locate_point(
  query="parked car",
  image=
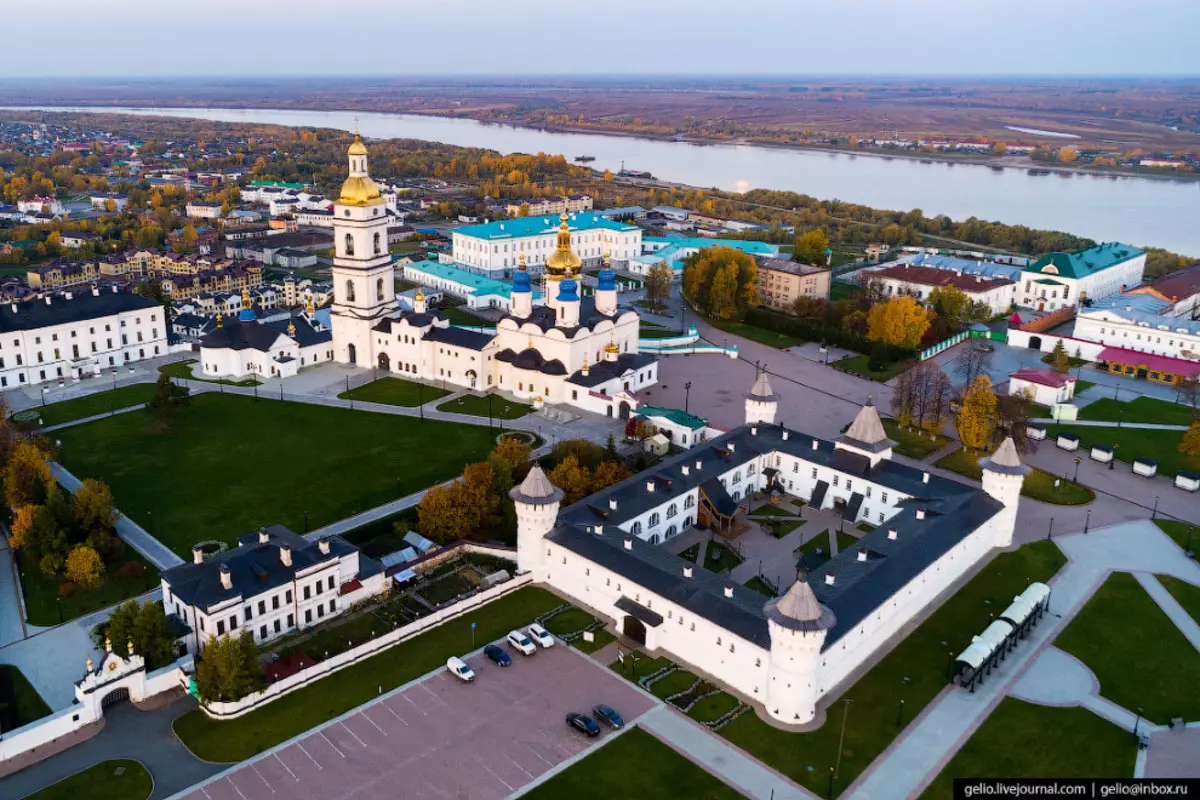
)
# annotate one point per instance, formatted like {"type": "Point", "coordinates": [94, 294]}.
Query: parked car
{"type": "Point", "coordinates": [583, 723]}
{"type": "Point", "coordinates": [521, 643]}
{"type": "Point", "coordinates": [609, 716]}
{"type": "Point", "coordinates": [541, 635]}
{"type": "Point", "coordinates": [459, 669]}
{"type": "Point", "coordinates": [497, 653]}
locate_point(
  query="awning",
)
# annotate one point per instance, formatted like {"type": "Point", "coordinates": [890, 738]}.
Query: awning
{"type": "Point", "coordinates": [1018, 612]}
{"type": "Point", "coordinates": [1036, 593]}
{"type": "Point", "coordinates": [975, 655]}
{"type": "Point", "coordinates": [996, 634]}
{"type": "Point", "coordinates": [639, 612]}
{"type": "Point", "coordinates": [718, 498]}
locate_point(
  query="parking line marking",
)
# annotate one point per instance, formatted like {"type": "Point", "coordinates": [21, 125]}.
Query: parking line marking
{"type": "Point", "coordinates": [206, 794]}
{"type": "Point", "coordinates": [494, 775]}
{"type": "Point", "coordinates": [331, 744]}
{"type": "Point", "coordinates": [310, 758]}
{"type": "Point", "coordinates": [368, 719]}
{"type": "Point", "coordinates": [518, 766]}
{"type": "Point", "coordinates": [414, 705]}
{"type": "Point", "coordinates": [261, 778]}
{"type": "Point", "coordinates": [285, 766]}
{"type": "Point", "coordinates": [235, 788]}
{"type": "Point", "coordinates": [352, 733]}
{"type": "Point", "coordinates": [397, 716]}
{"type": "Point", "coordinates": [434, 696]}
{"type": "Point", "coordinates": [539, 755]}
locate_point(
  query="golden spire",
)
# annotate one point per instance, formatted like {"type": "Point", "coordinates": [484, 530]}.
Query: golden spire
{"type": "Point", "coordinates": [563, 261]}
{"type": "Point", "coordinates": [292, 329]}
{"type": "Point", "coordinates": [246, 304]}
{"type": "Point", "coordinates": [218, 319]}
{"type": "Point", "coordinates": [611, 347]}
{"type": "Point", "coordinates": [585, 366]}
{"type": "Point", "coordinates": [107, 644]}
{"type": "Point", "coordinates": [529, 344]}
{"type": "Point", "coordinates": [521, 263]}
{"type": "Point", "coordinates": [420, 297]}
{"type": "Point", "coordinates": [308, 307]}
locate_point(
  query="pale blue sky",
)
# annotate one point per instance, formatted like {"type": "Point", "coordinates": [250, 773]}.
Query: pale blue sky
{"type": "Point", "coordinates": [507, 37]}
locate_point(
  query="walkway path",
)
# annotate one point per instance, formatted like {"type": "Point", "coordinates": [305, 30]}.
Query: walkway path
{"type": "Point", "coordinates": [368, 516]}
{"type": "Point", "coordinates": [12, 618]}
{"type": "Point", "coordinates": [1167, 602]}
{"type": "Point", "coordinates": [1091, 423]}
{"type": "Point", "coordinates": [739, 770]}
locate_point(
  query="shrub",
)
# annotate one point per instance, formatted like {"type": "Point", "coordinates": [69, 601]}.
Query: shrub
{"type": "Point", "coordinates": [67, 588]}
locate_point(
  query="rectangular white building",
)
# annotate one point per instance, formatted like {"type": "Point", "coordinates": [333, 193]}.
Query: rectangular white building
{"type": "Point", "coordinates": [1058, 280]}
{"type": "Point", "coordinates": [919, 282]}
{"type": "Point", "coordinates": [494, 248]}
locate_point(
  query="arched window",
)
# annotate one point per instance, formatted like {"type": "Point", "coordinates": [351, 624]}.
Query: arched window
{"type": "Point", "coordinates": [689, 501]}
{"type": "Point", "coordinates": [737, 477]}
{"type": "Point", "coordinates": [672, 510]}
{"type": "Point", "coordinates": [637, 529]}
{"type": "Point", "coordinates": [737, 494]}
{"type": "Point", "coordinates": [654, 539]}
{"type": "Point", "coordinates": [349, 291]}
{"type": "Point", "coordinates": [687, 522]}
{"type": "Point", "coordinates": [671, 531]}
{"type": "Point", "coordinates": [654, 519]}
{"type": "Point", "coordinates": [750, 470]}
{"type": "Point", "coordinates": [378, 248]}
{"type": "Point", "coordinates": [349, 245]}
{"type": "Point", "coordinates": [379, 287]}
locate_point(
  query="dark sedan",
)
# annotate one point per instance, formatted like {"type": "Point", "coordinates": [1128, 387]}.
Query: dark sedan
{"type": "Point", "coordinates": [584, 724]}
{"type": "Point", "coordinates": [609, 716]}
{"type": "Point", "coordinates": [498, 654]}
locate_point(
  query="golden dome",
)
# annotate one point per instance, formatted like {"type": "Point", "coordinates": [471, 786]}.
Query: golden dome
{"type": "Point", "coordinates": [357, 148]}
{"type": "Point", "coordinates": [359, 191]}
{"type": "Point", "coordinates": [563, 261]}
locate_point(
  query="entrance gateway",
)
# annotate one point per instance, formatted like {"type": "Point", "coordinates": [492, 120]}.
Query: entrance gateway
{"type": "Point", "coordinates": [633, 629]}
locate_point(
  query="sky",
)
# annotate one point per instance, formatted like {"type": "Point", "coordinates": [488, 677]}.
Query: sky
{"type": "Point", "coordinates": [592, 37]}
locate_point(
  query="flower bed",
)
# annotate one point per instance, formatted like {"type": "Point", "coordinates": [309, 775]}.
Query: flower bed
{"type": "Point", "coordinates": [713, 706]}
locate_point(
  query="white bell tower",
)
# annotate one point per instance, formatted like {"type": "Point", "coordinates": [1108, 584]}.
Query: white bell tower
{"type": "Point", "coordinates": [364, 288]}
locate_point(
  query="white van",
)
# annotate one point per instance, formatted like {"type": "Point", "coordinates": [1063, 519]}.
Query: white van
{"type": "Point", "coordinates": [541, 635]}
{"type": "Point", "coordinates": [459, 669]}
{"type": "Point", "coordinates": [521, 643]}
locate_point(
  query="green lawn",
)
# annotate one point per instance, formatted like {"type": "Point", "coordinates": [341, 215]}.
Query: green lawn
{"type": "Point", "coordinates": [672, 683]}
{"type": "Point", "coordinates": [1082, 386]}
{"type": "Point", "coordinates": [782, 527]}
{"type": "Point", "coordinates": [240, 738]}
{"type": "Point", "coordinates": [922, 657]}
{"type": "Point", "coordinates": [42, 601]}
{"type": "Point", "coordinates": [755, 334]}
{"type": "Point", "coordinates": [1135, 651]}
{"type": "Point", "coordinates": [1186, 594]}
{"type": "Point", "coordinates": [569, 621]}
{"type": "Point", "coordinates": [846, 541]}
{"type": "Point", "coordinates": [658, 333]}
{"type": "Point", "coordinates": [101, 782]}
{"type": "Point", "coordinates": [818, 541]}
{"type": "Point", "coordinates": [644, 666]}
{"type": "Point", "coordinates": [861, 366]}
{"type": "Point", "coordinates": [726, 557]}
{"type": "Point", "coordinates": [713, 707]}
{"type": "Point", "coordinates": [634, 764]}
{"type": "Point", "coordinates": [477, 406]}
{"type": "Point", "coordinates": [1140, 409]}
{"type": "Point", "coordinates": [1038, 485]}
{"type": "Point", "coordinates": [263, 461]}
{"type": "Point", "coordinates": [759, 585]}
{"type": "Point", "coordinates": [25, 706]}
{"type": "Point", "coordinates": [1181, 532]}
{"type": "Point", "coordinates": [601, 637]}
{"type": "Point", "coordinates": [912, 442]}
{"type": "Point", "coordinates": [395, 392]}
{"type": "Point", "coordinates": [1023, 740]}
{"type": "Point", "coordinates": [183, 369]}
{"type": "Point", "coordinates": [98, 403]}
{"type": "Point", "coordinates": [1162, 446]}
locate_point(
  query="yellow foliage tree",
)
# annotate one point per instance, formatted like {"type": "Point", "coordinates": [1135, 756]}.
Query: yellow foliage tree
{"type": "Point", "coordinates": [1067, 154]}
{"type": "Point", "coordinates": [27, 476]}
{"type": "Point", "coordinates": [84, 566]}
{"type": "Point", "coordinates": [977, 419]}
{"type": "Point", "coordinates": [22, 523]}
{"type": "Point", "coordinates": [1189, 445]}
{"type": "Point", "coordinates": [900, 322]}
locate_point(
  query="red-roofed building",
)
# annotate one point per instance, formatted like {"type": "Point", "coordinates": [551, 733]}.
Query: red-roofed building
{"type": "Point", "coordinates": [918, 282]}
{"type": "Point", "coordinates": [1160, 369]}
{"type": "Point", "coordinates": [1045, 386]}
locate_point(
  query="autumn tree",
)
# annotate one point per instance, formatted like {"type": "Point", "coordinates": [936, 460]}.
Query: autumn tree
{"type": "Point", "coordinates": [94, 506]}
{"type": "Point", "coordinates": [971, 362]}
{"type": "Point", "coordinates": [607, 474]}
{"type": "Point", "coordinates": [658, 284]}
{"type": "Point", "coordinates": [977, 419]}
{"type": "Point", "coordinates": [1190, 443]}
{"type": "Point", "coordinates": [84, 567]}
{"type": "Point", "coordinates": [168, 399]}
{"type": "Point", "coordinates": [899, 322]}
{"type": "Point", "coordinates": [1067, 154]}
{"type": "Point", "coordinates": [146, 626]}
{"type": "Point", "coordinates": [951, 304]}
{"type": "Point", "coordinates": [22, 524]}
{"type": "Point", "coordinates": [1059, 358]}
{"type": "Point", "coordinates": [463, 509]}
{"type": "Point", "coordinates": [721, 281]}
{"type": "Point", "coordinates": [810, 247]}
{"type": "Point", "coordinates": [27, 476]}
{"type": "Point", "coordinates": [229, 669]}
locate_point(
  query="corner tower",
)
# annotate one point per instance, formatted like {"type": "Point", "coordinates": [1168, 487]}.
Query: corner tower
{"type": "Point", "coordinates": [364, 289]}
{"type": "Point", "coordinates": [1003, 475]}
{"type": "Point", "coordinates": [537, 501]}
{"type": "Point", "coordinates": [761, 402]}
{"type": "Point", "coordinates": [798, 625]}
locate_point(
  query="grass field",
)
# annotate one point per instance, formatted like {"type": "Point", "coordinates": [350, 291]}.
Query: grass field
{"type": "Point", "coordinates": [911, 442]}
{"type": "Point", "coordinates": [101, 782]}
{"type": "Point", "coordinates": [240, 738]}
{"type": "Point", "coordinates": [658, 333]}
{"type": "Point", "coordinates": [394, 392]}
{"type": "Point", "coordinates": [25, 706]}
{"type": "Point", "coordinates": [478, 407]}
{"type": "Point", "coordinates": [1183, 533]}
{"type": "Point", "coordinates": [759, 585]}
{"type": "Point", "coordinates": [1140, 409]}
{"type": "Point", "coordinates": [1162, 446]}
{"type": "Point", "coordinates": [634, 764]}
{"type": "Point", "coordinates": [861, 366]}
{"type": "Point", "coordinates": [459, 316]}
{"type": "Point", "coordinates": [922, 658]}
{"type": "Point", "coordinates": [634, 670]}
{"type": "Point", "coordinates": [263, 461]}
{"type": "Point", "coordinates": [1038, 485]}
{"type": "Point", "coordinates": [755, 334]}
{"type": "Point", "coordinates": [1135, 651]}
{"type": "Point", "coordinates": [1184, 593]}
{"type": "Point", "coordinates": [183, 369]}
{"type": "Point", "coordinates": [1023, 740]}
{"type": "Point", "coordinates": [98, 403]}
{"type": "Point", "coordinates": [726, 557]}
{"type": "Point", "coordinates": [43, 604]}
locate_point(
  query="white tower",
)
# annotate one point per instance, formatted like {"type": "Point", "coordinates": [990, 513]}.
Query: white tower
{"type": "Point", "coordinates": [866, 435]}
{"type": "Point", "coordinates": [761, 402]}
{"type": "Point", "coordinates": [798, 624]}
{"type": "Point", "coordinates": [1003, 474]}
{"type": "Point", "coordinates": [364, 288]}
{"type": "Point", "coordinates": [537, 501]}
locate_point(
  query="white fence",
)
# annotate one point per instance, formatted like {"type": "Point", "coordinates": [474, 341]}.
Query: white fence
{"type": "Point", "coordinates": [276, 690]}
{"type": "Point", "coordinates": [1045, 342]}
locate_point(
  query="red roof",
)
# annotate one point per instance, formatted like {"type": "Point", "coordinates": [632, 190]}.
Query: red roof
{"type": "Point", "coordinates": [1132, 358]}
{"type": "Point", "coordinates": [1045, 377]}
{"type": "Point", "coordinates": [350, 586]}
{"type": "Point", "coordinates": [929, 276]}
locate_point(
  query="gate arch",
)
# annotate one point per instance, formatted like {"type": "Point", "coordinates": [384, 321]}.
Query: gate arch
{"type": "Point", "coordinates": [117, 695]}
{"type": "Point", "coordinates": [1035, 343]}
{"type": "Point", "coordinates": [633, 629]}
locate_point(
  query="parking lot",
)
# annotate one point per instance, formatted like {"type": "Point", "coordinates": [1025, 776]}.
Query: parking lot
{"type": "Point", "coordinates": [439, 737]}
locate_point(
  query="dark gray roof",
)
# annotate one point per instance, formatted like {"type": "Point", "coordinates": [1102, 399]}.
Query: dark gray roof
{"type": "Point", "coordinates": [83, 305]}
{"type": "Point", "coordinates": [459, 337]}
{"type": "Point", "coordinates": [605, 371]}
{"type": "Point", "coordinates": [546, 317]}
{"type": "Point", "coordinates": [257, 335]}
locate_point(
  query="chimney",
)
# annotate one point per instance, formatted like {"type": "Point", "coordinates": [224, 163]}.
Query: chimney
{"type": "Point", "coordinates": [732, 446]}
{"type": "Point", "coordinates": [698, 465]}
{"type": "Point", "coordinates": [47, 299]}
{"type": "Point", "coordinates": [728, 590]}
{"type": "Point", "coordinates": [754, 430]}
{"type": "Point", "coordinates": [95, 291]}
{"type": "Point", "coordinates": [226, 578]}
{"type": "Point", "coordinates": [816, 444]}
{"type": "Point", "coordinates": [862, 554]}
{"type": "Point", "coordinates": [650, 485]}
{"type": "Point", "coordinates": [920, 513]}
{"type": "Point", "coordinates": [598, 529]}
{"type": "Point", "coordinates": [323, 546]}
{"type": "Point", "coordinates": [612, 504]}
{"type": "Point", "coordinates": [67, 295]}
{"type": "Point", "coordinates": [197, 555]}
{"type": "Point", "coordinates": [628, 544]}
{"type": "Point", "coordinates": [685, 469]}
{"type": "Point", "coordinates": [687, 571]}
{"type": "Point", "coordinates": [263, 536]}
{"type": "Point", "coordinates": [830, 578]}
{"type": "Point", "coordinates": [114, 289]}
{"type": "Point", "coordinates": [785, 434]}
{"type": "Point", "coordinates": [925, 477]}
{"type": "Point", "coordinates": [892, 533]}
{"type": "Point", "coordinates": [285, 555]}
{"type": "Point", "coordinates": [14, 308]}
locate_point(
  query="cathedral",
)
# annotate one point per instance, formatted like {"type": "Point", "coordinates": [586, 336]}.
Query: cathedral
{"type": "Point", "coordinates": [574, 350]}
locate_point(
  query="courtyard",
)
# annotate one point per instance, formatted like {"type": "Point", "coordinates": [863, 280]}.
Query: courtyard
{"type": "Point", "coordinates": [229, 464]}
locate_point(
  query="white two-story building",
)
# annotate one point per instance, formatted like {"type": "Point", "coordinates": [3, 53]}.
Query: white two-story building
{"type": "Point", "coordinates": [494, 248]}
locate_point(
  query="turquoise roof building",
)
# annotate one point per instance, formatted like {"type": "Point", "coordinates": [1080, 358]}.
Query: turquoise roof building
{"type": "Point", "coordinates": [522, 227]}
{"type": "Point", "coordinates": [673, 251]}
{"type": "Point", "coordinates": [1083, 263]}
{"type": "Point", "coordinates": [473, 285]}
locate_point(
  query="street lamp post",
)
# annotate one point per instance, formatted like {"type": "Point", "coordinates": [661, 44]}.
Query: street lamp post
{"type": "Point", "coordinates": [846, 703]}
{"type": "Point", "coordinates": [687, 394]}
{"type": "Point", "coordinates": [1137, 722]}
{"type": "Point", "coordinates": [829, 793]}
{"type": "Point", "coordinates": [1112, 462]}
{"type": "Point", "coordinates": [1187, 548]}
{"type": "Point", "coordinates": [1087, 523]}
{"type": "Point", "coordinates": [1050, 532]}
{"type": "Point", "coordinates": [421, 400]}
{"type": "Point", "coordinates": [306, 521]}
{"type": "Point", "coordinates": [490, 396]}
{"type": "Point", "coordinates": [1154, 513]}
{"type": "Point", "coordinates": [900, 714]}
{"type": "Point", "coordinates": [1075, 478]}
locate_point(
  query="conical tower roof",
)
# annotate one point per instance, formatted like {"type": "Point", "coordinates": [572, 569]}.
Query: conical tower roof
{"type": "Point", "coordinates": [536, 489]}
{"type": "Point", "coordinates": [761, 390]}
{"type": "Point", "coordinates": [799, 610]}
{"type": "Point", "coordinates": [866, 431]}
{"type": "Point", "coordinates": [1005, 460]}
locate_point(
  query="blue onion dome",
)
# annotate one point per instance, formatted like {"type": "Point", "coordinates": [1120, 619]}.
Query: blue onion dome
{"type": "Point", "coordinates": [247, 315]}
{"type": "Point", "coordinates": [606, 281]}
{"type": "Point", "coordinates": [568, 290]}
{"type": "Point", "coordinates": [522, 282]}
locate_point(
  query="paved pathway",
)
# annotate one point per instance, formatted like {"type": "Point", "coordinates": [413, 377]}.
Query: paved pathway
{"type": "Point", "coordinates": [368, 516]}
{"type": "Point", "coordinates": [747, 775]}
{"type": "Point", "coordinates": [12, 618]}
{"type": "Point", "coordinates": [1091, 423]}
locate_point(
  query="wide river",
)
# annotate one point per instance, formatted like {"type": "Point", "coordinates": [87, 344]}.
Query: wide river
{"type": "Point", "coordinates": [1139, 211]}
